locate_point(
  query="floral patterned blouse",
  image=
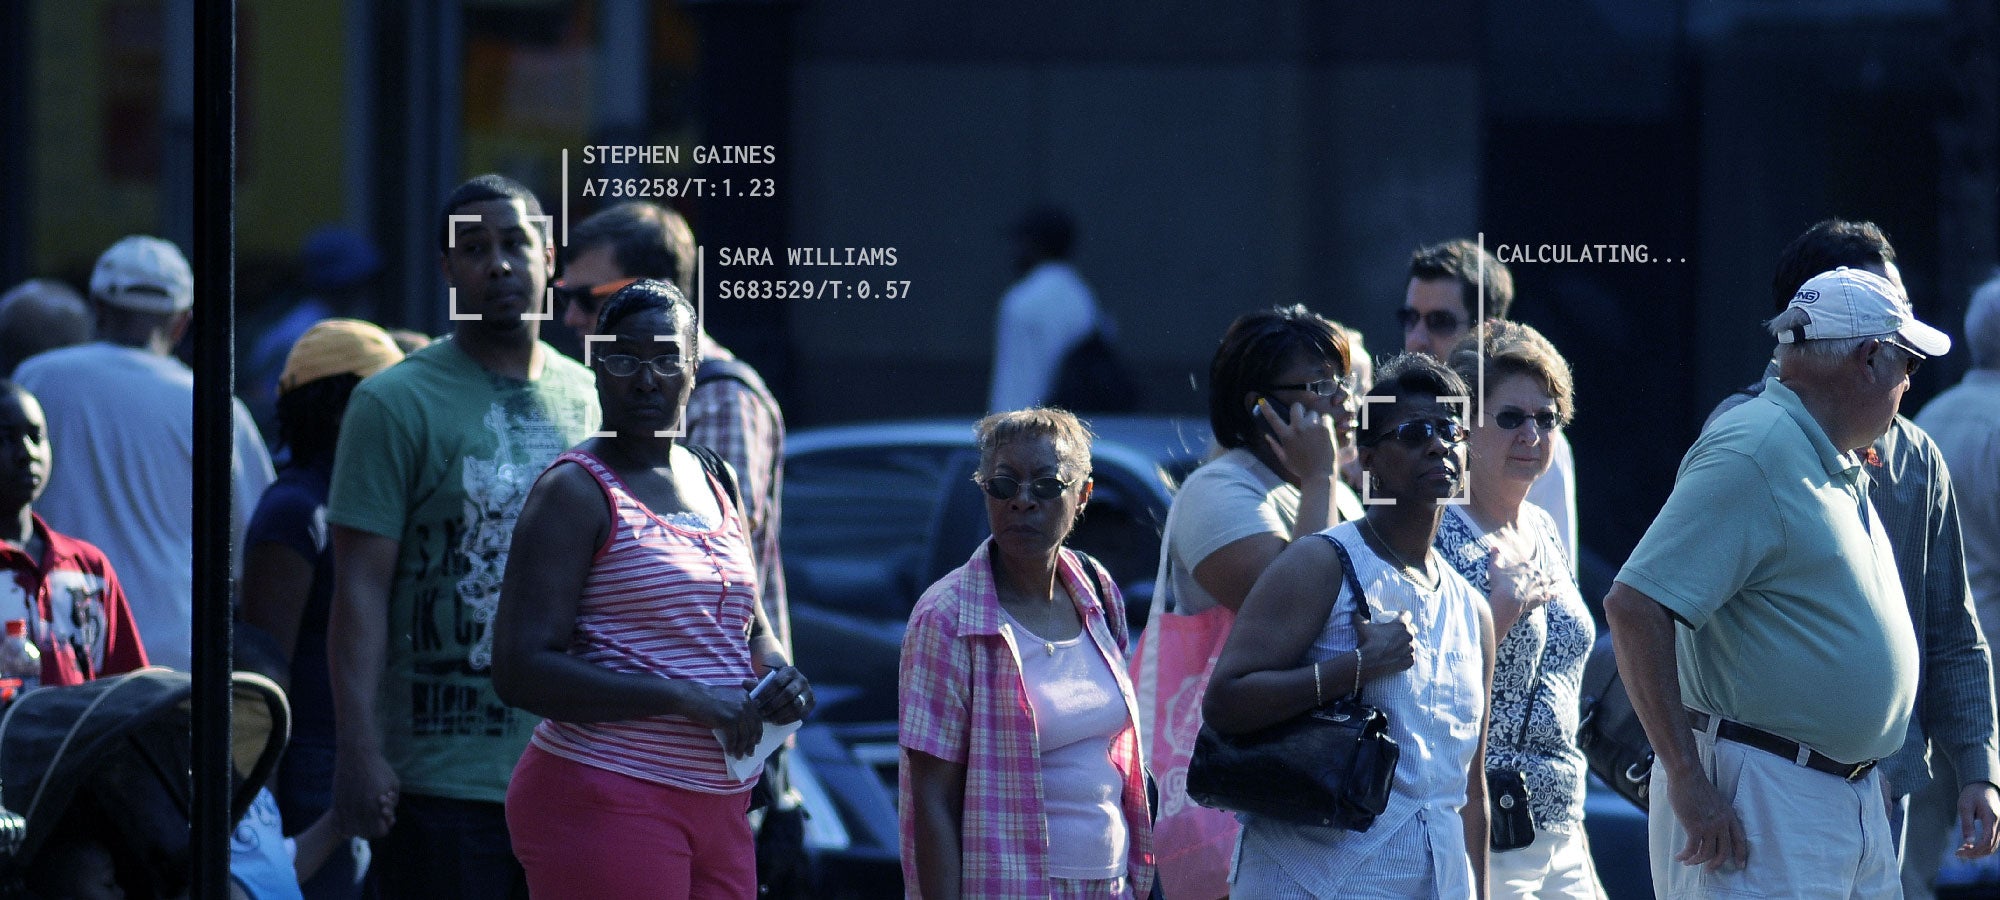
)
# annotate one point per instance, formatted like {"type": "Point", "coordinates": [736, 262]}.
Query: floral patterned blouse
{"type": "Point", "coordinates": [1537, 673]}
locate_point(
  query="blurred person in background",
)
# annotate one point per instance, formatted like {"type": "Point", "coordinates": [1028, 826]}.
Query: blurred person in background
{"type": "Point", "coordinates": [435, 457]}
{"type": "Point", "coordinates": [1047, 311]}
{"type": "Point", "coordinates": [288, 568]}
{"type": "Point", "coordinates": [1944, 774]}
{"type": "Point", "coordinates": [339, 268]}
{"type": "Point", "coordinates": [121, 422]}
{"type": "Point", "coordinates": [1440, 303]}
{"type": "Point", "coordinates": [629, 619]}
{"type": "Point", "coordinates": [38, 315]}
{"type": "Point", "coordinates": [1360, 379]}
{"type": "Point", "coordinates": [1422, 653]}
{"type": "Point", "coordinates": [1965, 423]}
{"type": "Point", "coordinates": [1545, 629]}
{"type": "Point", "coordinates": [1021, 773]}
{"type": "Point", "coordinates": [66, 589]}
{"type": "Point", "coordinates": [1277, 397]}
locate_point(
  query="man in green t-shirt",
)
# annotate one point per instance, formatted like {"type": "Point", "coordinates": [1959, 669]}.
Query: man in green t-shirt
{"type": "Point", "coordinates": [436, 455]}
{"type": "Point", "coordinates": [1794, 668]}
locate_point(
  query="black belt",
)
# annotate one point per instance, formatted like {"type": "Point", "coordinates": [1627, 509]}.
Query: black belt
{"type": "Point", "coordinates": [1778, 746]}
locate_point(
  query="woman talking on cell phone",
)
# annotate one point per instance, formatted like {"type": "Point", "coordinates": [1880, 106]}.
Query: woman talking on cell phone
{"type": "Point", "coordinates": [1278, 391]}
{"type": "Point", "coordinates": [629, 620]}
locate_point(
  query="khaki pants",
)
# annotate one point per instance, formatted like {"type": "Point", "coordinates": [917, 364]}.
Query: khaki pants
{"type": "Point", "coordinates": [1812, 835]}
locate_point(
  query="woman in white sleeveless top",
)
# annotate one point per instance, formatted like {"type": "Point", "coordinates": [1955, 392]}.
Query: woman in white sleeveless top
{"type": "Point", "coordinates": [1425, 658]}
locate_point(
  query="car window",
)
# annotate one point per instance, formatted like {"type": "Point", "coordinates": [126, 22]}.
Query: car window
{"type": "Point", "coordinates": [1121, 527]}
{"type": "Point", "coordinates": [855, 525]}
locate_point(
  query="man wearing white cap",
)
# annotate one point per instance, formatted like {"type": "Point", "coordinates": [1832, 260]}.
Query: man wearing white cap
{"type": "Point", "coordinates": [1941, 783]}
{"type": "Point", "coordinates": [121, 419]}
{"type": "Point", "coordinates": [1795, 667]}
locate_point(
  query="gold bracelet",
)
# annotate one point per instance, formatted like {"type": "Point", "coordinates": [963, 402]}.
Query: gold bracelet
{"type": "Point", "coordinates": [1318, 698]}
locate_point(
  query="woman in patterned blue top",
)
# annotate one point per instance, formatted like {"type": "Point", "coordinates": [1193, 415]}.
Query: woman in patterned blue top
{"type": "Point", "coordinates": [1547, 631]}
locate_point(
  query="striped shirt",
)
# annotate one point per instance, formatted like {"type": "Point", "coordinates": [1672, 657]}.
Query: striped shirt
{"type": "Point", "coordinates": [668, 600]}
{"type": "Point", "coordinates": [962, 700]}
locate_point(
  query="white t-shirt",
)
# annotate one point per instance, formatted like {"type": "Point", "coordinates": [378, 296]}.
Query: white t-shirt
{"type": "Point", "coordinates": [1041, 317]}
{"type": "Point", "coordinates": [1229, 498]}
{"type": "Point", "coordinates": [121, 437]}
{"type": "Point", "coordinates": [1079, 711]}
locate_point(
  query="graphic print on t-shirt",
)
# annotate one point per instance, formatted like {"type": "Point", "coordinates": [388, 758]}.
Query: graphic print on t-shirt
{"type": "Point", "coordinates": [494, 491]}
{"type": "Point", "coordinates": [76, 613]}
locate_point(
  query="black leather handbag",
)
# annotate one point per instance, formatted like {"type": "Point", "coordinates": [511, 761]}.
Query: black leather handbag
{"type": "Point", "coordinates": [1611, 736]}
{"type": "Point", "coordinates": [1332, 766]}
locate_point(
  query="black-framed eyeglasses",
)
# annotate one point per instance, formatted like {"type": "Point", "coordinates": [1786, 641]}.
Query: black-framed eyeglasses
{"type": "Point", "coordinates": [1436, 320]}
{"type": "Point", "coordinates": [625, 365]}
{"type": "Point", "coordinates": [588, 297]}
{"type": "Point", "coordinates": [1510, 419]}
{"type": "Point", "coordinates": [1332, 388]}
{"type": "Point", "coordinates": [1004, 487]}
{"type": "Point", "coordinates": [1418, 432]}
{"type": "Point", "coordinates": [1916, 360]}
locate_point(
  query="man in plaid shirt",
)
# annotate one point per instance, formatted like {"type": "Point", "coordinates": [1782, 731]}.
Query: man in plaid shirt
{"type": "Point", "coordinates": [731, 410]}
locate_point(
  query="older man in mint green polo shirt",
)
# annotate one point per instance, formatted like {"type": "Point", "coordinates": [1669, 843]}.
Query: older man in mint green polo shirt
{"type": "Point", "coordinates": [1761, 626]}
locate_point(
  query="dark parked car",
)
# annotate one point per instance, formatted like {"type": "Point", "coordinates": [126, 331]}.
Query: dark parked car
{"type": "Point", "coordinates": [876, 513]}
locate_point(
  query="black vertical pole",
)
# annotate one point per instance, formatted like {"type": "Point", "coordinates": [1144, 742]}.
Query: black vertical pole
{"type": "Point", "coordinates": [214, 342]}
{"type": "Point", "coordinates": [16, 141]}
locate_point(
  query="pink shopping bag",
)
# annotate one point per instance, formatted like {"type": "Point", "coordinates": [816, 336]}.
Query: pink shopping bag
{"type": "Point", "coordinates": [1192, 844]}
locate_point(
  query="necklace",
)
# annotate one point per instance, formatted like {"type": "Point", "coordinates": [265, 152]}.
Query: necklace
{"type": "Point", "coordinates": [1422, 571]}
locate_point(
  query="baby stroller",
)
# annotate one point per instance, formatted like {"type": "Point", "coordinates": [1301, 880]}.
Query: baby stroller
{"type": "Point", "coordinates": [109, 761]}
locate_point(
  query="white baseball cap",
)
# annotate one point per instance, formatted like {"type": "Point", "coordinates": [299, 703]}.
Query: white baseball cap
{"type": "Point", "coordinates": [1851, 303]}
{"type": "Point", "coordinates": [143, 273]}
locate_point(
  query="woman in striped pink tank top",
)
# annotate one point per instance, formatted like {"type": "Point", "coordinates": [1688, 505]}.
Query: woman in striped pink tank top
{"type": "Point", "coordinates": [629, 620]}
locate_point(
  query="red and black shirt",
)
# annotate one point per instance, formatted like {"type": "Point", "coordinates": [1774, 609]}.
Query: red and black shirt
{"type": "Point", "coordinates": [76, 611]}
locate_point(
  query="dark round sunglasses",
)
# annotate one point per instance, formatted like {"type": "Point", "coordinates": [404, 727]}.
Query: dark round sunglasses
{"type": "Point", "coordinates": [1002, 487]}
{"type": "Point", "coordinates": [1511, 419]}
{"type": "Point", "coordinates": [589, 297]}
{"type": "Point", "coordinates": [1418, 432]}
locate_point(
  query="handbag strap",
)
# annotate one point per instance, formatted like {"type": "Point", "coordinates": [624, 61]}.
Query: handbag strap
{"type": "Point", "coordinates": [1362, 612]}
{"type": "Point", "coordinates": [1097, 580]}
{"type": "Point", "coordinates": [1148, 686]}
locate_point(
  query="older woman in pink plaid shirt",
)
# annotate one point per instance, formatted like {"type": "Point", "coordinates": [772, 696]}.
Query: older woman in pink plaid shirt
{"type": "Point", "coordinates": [1021, 775]}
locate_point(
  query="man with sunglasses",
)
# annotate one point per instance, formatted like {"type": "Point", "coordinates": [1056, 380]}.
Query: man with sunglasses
{"type": "Point", "coordinates": [1440, 305]}
{"type": "Point", "coordinates": [1953, 724]}
{"type": "Point", "coordinates": [731, 410]}
{"type": "Point", "coordinates": [1762, 628]}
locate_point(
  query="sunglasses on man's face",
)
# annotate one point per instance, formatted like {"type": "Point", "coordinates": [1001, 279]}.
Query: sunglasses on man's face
{"type": "Point", "coordinates": [589, 297]}
{"type": "Point", "coordinates": [1511, 419]}
{"type": "Point", "coordinates": [1002, 487]}
{"type": "Point", "coordinates": [1914, 360]}
{"type": "Point", "coordinates": [1436, 320]}
{"type": "Point", "coordinates": [1418, 432]}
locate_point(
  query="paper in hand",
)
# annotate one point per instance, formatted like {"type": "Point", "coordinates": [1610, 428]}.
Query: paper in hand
{"type": "Point", "coordinates": [742, 767]}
